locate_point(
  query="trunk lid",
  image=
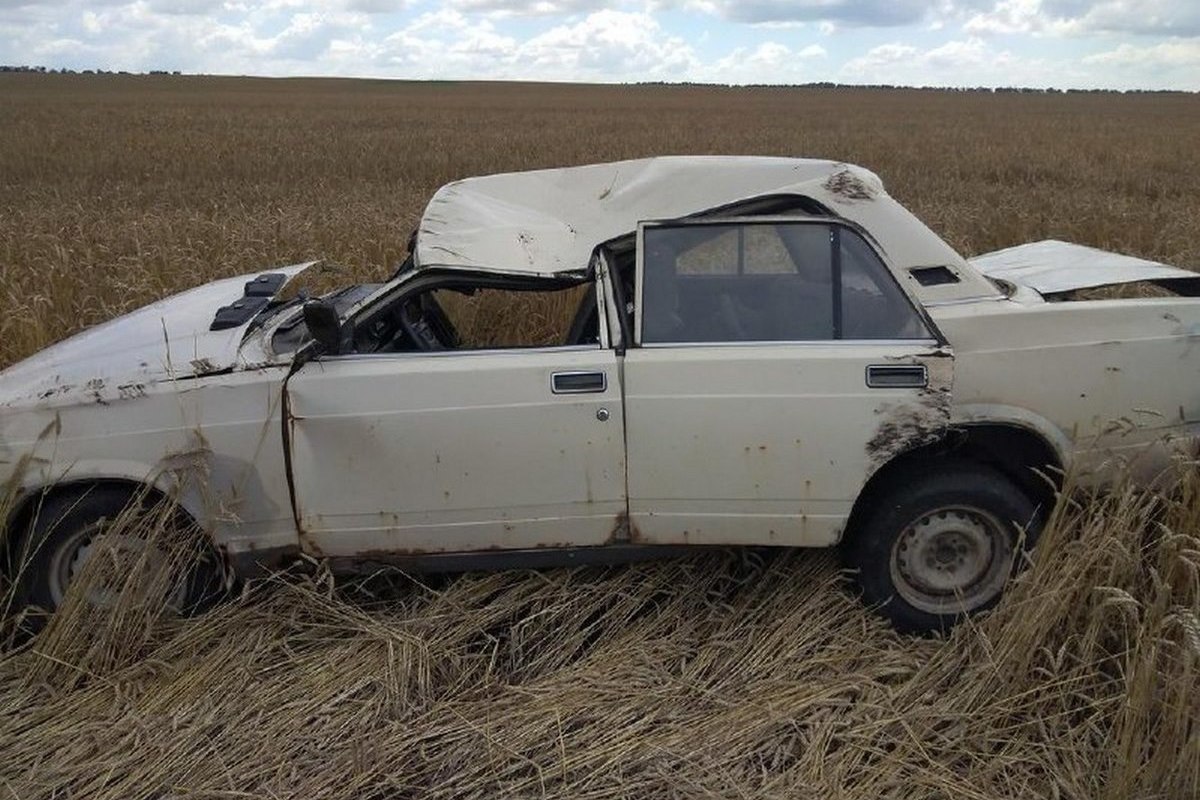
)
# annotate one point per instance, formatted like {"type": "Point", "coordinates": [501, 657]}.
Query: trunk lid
{"type": "Point", "coordinates": [1055, 267]}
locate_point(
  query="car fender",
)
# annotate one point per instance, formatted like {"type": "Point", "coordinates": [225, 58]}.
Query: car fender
{"type": "Point", "coordinates": [1002, 414]}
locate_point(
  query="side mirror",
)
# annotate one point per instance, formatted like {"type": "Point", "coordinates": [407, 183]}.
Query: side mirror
{"type": "Point", "coordinates": [324, 325]}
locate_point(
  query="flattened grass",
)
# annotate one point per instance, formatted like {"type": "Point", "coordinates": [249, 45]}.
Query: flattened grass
{"type": "Point", "coordinates": [729, 674]}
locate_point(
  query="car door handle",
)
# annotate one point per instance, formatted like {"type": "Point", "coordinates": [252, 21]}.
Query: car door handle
{"type": "Point", "coordinates": [897, 376]}
{"type": "Point", "coordinates": [578, 382]}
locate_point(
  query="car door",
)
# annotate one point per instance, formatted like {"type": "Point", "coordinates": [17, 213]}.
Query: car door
{"type": "Point", "coordinates": [457, 451]}
{"type": "Point", "coordinates": [777, 363]}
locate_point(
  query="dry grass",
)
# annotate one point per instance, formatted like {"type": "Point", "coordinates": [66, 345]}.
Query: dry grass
{"type": "Point", "coordinates": [723, 675]}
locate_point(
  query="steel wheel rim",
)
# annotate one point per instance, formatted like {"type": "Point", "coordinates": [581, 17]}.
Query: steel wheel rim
{"type": "Point", "coordinates": [69, 559]}
{"type": "Point", "coordinates": [953, 559]}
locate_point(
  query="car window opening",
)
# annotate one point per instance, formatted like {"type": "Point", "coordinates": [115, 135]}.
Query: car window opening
{"type": "Point", "coordinates": [769, 281]}
{"type": "Point", "coordinates": [475, 318]}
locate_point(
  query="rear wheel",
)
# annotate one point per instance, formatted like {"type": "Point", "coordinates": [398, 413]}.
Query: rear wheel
{"type": "Point", "coordinates": [941, 544]}
{"type": "Point", "coordinates": [71, 528]}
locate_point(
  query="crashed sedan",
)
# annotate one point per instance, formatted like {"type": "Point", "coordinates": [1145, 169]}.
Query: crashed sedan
{"type": "Point", "coordinates": [757, 351]}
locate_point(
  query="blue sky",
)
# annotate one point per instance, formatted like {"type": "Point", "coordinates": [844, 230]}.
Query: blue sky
{"type": "Point", "coordinates": [1122, 44]}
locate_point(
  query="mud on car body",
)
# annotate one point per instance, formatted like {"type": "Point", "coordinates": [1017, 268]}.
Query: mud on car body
{"type": "Point", "coordinates": [761, 351]}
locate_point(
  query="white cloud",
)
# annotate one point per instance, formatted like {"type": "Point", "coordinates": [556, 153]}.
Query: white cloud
{"type": "Point", "coordinates": [969, 62]}
{"type": "Point", "coordinates": [609, 43]}
{"type": "Point", "coordinates": [92, 23]}
{"type": "Point", "coordinates": [765, 13]}
{"type": "Point", "coordinates": [1009, 16]}
{"type": "Point", "coordinates": [377, 6]}
{"type": "Point", "coordinates": [1174, 64]}
{"type": "Point", "coordinates": [769, 62]}
{"type": "Point", "coordinates": [851, 13]}
{"type": "Point", "coordinates": [1158, 17]}
{"type": "Point", "coordinates": [437, 44]}
{"type": "Point", "coordinates": [502, 8]}
{"type": "Point", "coordinates": [1079, 17]}
{"type": "Point", "coordinates": [603, 46]}
{"type": "Point", "coordinates": [1180, 53]}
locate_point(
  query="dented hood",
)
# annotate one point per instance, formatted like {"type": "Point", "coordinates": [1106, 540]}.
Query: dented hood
{"type": "Point", "coordinates": [1053, 267]}
{"type": "Point", "coordinates": [168, 339]}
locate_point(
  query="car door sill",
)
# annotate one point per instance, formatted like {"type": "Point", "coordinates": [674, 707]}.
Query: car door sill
{"type": "Point", "coordinates": [540, 558]}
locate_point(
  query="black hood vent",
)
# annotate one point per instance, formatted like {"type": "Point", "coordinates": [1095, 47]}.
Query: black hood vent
{"type": "Point", "coordinates": [256, 297]}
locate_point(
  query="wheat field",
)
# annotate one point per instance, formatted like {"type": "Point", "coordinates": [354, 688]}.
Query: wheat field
{"type": "Point", "coordinates": [728, 674]}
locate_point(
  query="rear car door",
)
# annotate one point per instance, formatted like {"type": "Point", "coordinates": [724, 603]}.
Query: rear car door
{"type": "Point", "coordinates": [777, 363]}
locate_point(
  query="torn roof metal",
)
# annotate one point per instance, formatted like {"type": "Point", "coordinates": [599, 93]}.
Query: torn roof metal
{"type": "Point", "coordinates": [1052, 266]}
{"type": "Point", "coordinates": [549, 222]}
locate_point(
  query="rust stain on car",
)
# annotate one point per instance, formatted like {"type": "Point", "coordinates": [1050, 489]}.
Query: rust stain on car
{"type": "Point", "coordinates": [624, 530]}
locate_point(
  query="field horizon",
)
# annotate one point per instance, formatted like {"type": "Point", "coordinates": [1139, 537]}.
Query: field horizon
{"type": "Point", "coordinates": [818, 84]}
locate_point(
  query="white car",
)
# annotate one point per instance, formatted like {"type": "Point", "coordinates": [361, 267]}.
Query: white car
{"type": "Point", "coordinates": [765, 351]}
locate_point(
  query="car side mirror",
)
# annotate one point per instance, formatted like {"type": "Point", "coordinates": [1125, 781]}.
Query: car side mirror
{"type": "Point", "coordinates": [324, 325]}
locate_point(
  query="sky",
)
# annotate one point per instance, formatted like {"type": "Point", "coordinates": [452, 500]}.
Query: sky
{"type": "Point", "coordinates": [1114, 44]}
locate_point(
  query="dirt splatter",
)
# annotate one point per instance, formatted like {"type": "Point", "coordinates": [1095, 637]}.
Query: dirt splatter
{"type": "Point", "coordinates": [131, 391]}
{"type": "Point", "coordinates": [203, 366]}
{"type": "Point", "coordinates": [95, 390]}
{"type": "Point", "coordinates": [56, 390]}
{"type": "Point", "coordinates": [909, 426]}
{"type": "Point", "coordinates": [527, 242]}
{"type": "Point", "coordinates": [848, 187]}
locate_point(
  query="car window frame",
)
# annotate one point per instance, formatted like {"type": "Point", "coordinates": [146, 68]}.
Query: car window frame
{"type": "Point", "coordinates": [419, 282]}
{"type": "Point", "coordinates": [776, 219]}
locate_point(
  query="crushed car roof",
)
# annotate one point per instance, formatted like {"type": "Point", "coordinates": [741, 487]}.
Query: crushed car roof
{"type": "Point", "coordinates": [549, 222]}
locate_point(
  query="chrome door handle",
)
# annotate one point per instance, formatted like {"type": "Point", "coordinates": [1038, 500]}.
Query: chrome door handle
{"type": "Point", "coordinates": [897, 376]}
{"type": "Point", "coordinates": [578, 382]}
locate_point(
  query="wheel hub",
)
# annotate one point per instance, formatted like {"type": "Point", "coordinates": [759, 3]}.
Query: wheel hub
{"type": "Point", "coordinates": [128, 552]}
{"type": "Point", "coordinates": [951, 559]}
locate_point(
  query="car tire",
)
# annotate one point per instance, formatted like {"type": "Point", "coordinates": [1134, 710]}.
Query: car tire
{"type": "Point", "coordinates": [941, 542]}
{"type": "Point", "coordinates": [68, 522]}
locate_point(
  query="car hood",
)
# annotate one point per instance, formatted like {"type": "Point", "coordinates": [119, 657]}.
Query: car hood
{"type": "Point", "coordinates": [166, 340]}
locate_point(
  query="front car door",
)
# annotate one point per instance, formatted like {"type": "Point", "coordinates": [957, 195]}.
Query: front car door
{"type": "Point", "coordinates": [778, 362]}
{"type": "Point", "coordinates": [413, 453]}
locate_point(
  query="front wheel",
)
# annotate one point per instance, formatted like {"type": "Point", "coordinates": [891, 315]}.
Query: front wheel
{"type": "Point", "coordinates": [115, 525]}
{"type": "Point", "coordinates": [941, 544]}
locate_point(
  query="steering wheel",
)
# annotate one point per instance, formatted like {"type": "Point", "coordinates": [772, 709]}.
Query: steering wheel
{"type": "Point", "coordinates": [416, 327]}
